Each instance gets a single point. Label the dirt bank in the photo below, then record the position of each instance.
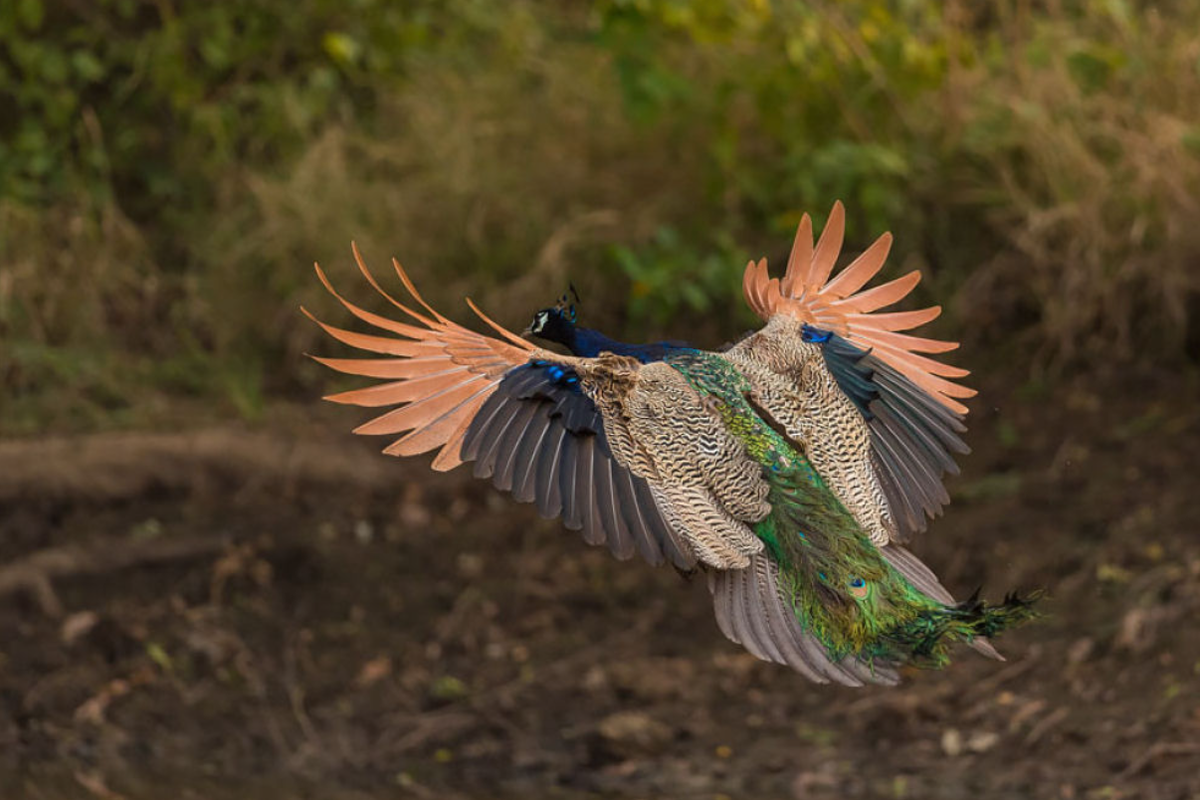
(279, 613)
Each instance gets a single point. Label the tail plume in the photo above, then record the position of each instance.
(925, 635)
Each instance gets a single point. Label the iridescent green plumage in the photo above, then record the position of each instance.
(843, 591)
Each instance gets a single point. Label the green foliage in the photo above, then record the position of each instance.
(670, 277)
(168, 170)
(154, 100)
(795, 101)
(1077, 141)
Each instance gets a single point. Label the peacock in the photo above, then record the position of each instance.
(790, 467)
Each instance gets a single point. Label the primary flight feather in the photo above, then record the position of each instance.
(790, 467)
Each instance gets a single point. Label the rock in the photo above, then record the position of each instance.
(634, 733)
(1081, 650)
(374, 671)
(78, 625)
(982, 741)
(653, 679)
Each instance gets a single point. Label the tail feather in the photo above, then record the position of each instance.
(972, 620)
(753, 610)
(921, 576)
(917, 573)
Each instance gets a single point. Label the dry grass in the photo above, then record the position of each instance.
(1074, 139)
(67, 274)
(503, 187)
(79, 294)
(1089, 169)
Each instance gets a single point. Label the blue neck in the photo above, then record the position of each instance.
(588, 343)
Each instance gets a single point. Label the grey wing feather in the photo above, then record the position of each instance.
(572, 511)
(548, 494)
(620, 543)
(585, 492)
(631, 513)
(916, 573)
(528, 453)
(913, 435)
(490, 433)
(907, 470)
(508, 446)
(922, 434)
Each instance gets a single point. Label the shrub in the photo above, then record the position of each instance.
(169, 170)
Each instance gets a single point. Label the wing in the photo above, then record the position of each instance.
(511, 409)
(807, 295)
(913, 437)
(707, 486)
(539, 437)
(886, 460)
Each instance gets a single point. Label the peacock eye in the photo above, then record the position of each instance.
(857, 583)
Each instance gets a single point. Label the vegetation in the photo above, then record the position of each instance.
(168, 170)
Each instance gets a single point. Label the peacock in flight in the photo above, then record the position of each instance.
(789, 467)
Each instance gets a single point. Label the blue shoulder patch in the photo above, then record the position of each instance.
(557, 374)
(814, 335)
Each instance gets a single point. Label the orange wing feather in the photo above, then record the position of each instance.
(440, 375)
(808, 294)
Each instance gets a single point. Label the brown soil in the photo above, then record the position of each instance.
(233, 615)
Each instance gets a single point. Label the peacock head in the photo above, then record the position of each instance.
(557, 323)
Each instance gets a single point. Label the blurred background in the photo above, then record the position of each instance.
(209, 589)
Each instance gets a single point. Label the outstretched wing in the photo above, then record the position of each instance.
(908, 404)
(506, 405)
(807, 295)
(913, 437)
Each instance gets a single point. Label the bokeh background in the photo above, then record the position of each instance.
(208, 589)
